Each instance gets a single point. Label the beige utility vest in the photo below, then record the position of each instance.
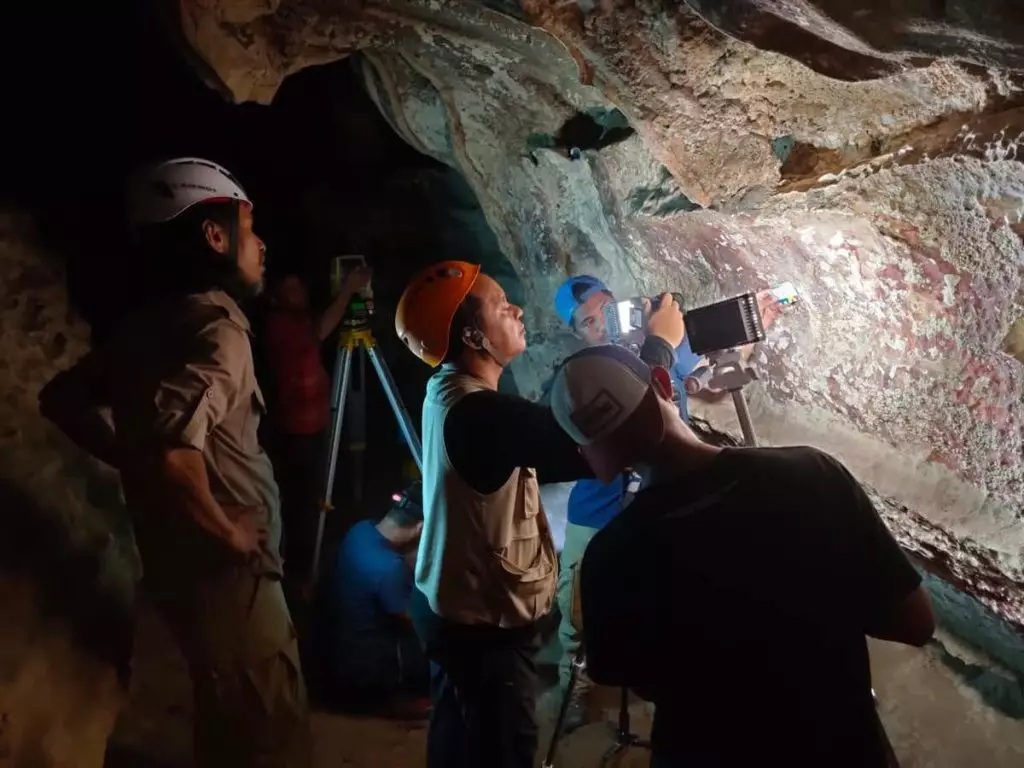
(483, 558)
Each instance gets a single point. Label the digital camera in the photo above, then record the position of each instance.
(723, 325)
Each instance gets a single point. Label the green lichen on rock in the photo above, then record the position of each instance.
(663, 199)
(978, 627)
(782, 146)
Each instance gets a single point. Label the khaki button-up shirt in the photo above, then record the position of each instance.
(182, 375)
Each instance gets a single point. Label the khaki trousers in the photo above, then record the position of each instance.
(576, 539)
(238, 639)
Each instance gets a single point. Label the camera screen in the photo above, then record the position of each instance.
(623, 310)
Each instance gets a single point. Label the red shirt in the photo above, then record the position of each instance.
(303, 386)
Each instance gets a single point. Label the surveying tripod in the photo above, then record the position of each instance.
(624, 737)
(352, 339)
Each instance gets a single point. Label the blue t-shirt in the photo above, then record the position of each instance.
(369, 580)
(593, 503)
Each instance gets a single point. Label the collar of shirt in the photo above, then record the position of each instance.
(229, 305)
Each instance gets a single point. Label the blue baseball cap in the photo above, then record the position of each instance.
(573, 292)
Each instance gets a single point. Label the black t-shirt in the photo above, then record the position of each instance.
(737, 598)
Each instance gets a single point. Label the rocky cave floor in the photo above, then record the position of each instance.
(933, 719)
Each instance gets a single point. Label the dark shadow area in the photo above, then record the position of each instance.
(594, 129)
(771, 32)
(122, 756)
(103, 92)
(35, 545)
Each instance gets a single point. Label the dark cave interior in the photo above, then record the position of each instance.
(328, 176)
(326, 172)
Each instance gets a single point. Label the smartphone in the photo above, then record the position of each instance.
(786, 295)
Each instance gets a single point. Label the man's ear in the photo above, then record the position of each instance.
(472, 338)
(662, 382)
(216, 236)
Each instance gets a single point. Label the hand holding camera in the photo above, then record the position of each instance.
(727, 324)
(665, 319)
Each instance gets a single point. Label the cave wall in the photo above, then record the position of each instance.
(67, 565)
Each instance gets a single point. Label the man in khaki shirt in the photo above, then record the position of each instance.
(172, 402)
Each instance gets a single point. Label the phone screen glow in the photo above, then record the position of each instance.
(624, 308)
(785, 294)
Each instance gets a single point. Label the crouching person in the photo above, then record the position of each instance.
(369, 659)
(736, 590)
(486, 566)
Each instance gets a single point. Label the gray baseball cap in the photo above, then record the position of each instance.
(603, 398)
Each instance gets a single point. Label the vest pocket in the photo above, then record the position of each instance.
(527, 558)
(526, 565)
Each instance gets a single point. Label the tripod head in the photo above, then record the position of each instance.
(726, 371)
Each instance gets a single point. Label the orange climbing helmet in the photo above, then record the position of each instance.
(425, 312)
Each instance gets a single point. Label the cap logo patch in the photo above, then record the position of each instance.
(597, 415)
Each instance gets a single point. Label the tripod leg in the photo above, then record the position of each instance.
(342, 375)
(355, 425)
(624, 737)
(404, 422)
(577, 664)
(624, 712)
(743, 414)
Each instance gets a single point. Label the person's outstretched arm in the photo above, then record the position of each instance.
(488, 434)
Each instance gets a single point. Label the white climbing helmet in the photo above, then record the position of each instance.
(160, 192)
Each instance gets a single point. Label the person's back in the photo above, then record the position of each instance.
(582, 302)
(769, 564)
(367, 656)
